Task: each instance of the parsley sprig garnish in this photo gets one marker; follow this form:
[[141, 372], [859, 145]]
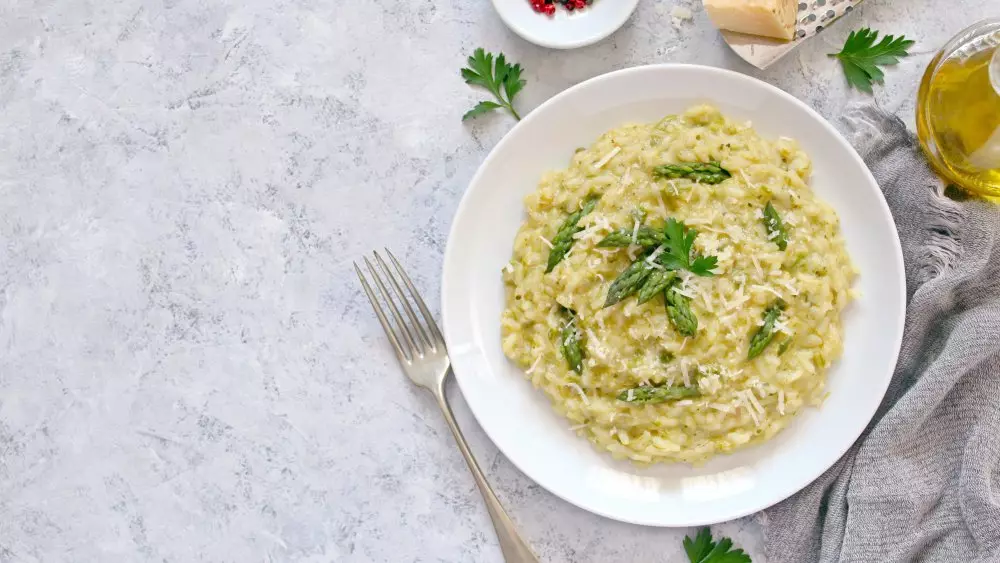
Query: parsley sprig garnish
[[861, 57], [502, 79], [677, 251], [703, 550]]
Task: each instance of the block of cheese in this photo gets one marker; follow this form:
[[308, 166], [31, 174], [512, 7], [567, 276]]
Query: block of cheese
[[770, 18]]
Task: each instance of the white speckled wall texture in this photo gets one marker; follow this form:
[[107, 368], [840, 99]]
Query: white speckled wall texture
[[188, 371]]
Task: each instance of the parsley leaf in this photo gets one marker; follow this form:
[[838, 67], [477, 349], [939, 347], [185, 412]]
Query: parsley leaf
[[677, 251], [861, 57], [698, 548], [481, 108], [495, 74], [703, 550], [703, 265]]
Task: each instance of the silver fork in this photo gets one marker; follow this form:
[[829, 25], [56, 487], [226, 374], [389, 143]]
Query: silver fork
[[421, 351]]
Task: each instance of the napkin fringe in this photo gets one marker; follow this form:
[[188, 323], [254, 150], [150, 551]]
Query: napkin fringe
[[878, 136], [943, 246]]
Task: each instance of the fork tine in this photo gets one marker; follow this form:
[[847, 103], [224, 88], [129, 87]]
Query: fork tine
[[418, 327], [381, 316], [405, 330], [416, 297]]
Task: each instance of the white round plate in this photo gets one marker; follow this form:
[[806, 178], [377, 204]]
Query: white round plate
[[519, 419], [565, 30]]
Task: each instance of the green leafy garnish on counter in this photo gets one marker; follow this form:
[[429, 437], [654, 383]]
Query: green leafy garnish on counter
[[776, 232], [563, 241], [502, 79], [629, 281], [861, 56], [678, 251], [765, 334], [679, 312], [703, 550], [646, 394], [704, 172], [570, 343]]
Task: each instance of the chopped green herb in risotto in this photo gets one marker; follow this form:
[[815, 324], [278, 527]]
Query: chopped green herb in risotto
[[677, 290]]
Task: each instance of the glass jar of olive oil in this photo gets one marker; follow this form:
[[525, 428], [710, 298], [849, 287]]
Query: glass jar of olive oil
[[958, 110]]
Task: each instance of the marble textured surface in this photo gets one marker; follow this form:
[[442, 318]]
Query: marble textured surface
[[188, 371]]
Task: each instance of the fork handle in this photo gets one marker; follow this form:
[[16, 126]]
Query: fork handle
[[513, 547]]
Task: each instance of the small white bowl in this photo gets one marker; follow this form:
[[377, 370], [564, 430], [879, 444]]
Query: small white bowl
[[565, 29]]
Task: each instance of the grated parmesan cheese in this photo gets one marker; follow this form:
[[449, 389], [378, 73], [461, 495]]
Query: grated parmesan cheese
[[738, 301], [595, 345], [580, 392], [652, 257], [767, 289], [607, 158], [746, 405], [659, 200], [627, 177], [753, 401], [756, 265], [752, 185], [546, 241], [790, 287], [782, 327], [534, 365], [781, 401]]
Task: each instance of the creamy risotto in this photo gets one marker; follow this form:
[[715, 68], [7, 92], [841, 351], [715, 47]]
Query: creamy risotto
[[677, 290]]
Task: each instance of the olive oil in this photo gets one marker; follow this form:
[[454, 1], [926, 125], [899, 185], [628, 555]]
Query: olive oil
[[958, 110]]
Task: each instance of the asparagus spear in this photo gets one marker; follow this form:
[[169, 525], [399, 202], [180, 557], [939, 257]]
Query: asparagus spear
[[679, 312], [765, 334], [645, 236], [570, 344], [775, 228], [629, 281], [657, 281], [704, 172], [564, 240], [646, 394]]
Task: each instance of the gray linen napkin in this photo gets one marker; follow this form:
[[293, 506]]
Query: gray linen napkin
[[923, 482]]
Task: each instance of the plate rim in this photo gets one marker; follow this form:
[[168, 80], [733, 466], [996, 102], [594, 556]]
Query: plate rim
[[826, 124]]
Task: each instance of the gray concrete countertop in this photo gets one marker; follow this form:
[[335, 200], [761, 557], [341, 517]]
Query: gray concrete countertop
[[188, 371]]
